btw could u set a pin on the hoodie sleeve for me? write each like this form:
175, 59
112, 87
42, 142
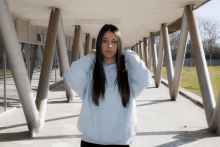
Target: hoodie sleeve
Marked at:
138, 72
77, 77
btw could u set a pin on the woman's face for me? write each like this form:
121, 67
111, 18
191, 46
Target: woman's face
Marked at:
109, 45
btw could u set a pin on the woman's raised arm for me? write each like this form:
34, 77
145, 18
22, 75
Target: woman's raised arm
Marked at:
140, 75
77, 77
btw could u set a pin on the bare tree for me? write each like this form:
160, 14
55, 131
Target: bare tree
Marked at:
210, 35
174, 42
189, 49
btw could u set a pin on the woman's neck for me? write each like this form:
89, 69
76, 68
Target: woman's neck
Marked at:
109, 61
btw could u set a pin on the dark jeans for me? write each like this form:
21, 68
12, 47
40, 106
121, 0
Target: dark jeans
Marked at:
87, 144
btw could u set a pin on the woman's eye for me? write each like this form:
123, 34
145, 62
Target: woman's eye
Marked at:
104, 41
114, 41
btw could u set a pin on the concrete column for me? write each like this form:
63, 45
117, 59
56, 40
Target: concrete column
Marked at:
202, 69
57, 56
57, 59
87, 43
46, 69
14, 55
145, 49
64, 63
140, 49
27, 51
154, 54
81, 48
40, 54
168, 58
76, 41
137, 47
93, 43
4, 70
160, 61
70, 56
33, 55
180, 58
149, 62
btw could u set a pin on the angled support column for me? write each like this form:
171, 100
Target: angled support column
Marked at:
212, 112
40, 54
87, 43
93, 43
33, 55
69, 52
18, 69
137, 47
145, 49
180, 58
136, 50
167, 52
81, 48
140, 49
64, 63
27, 51
39, 50
46, 69
149, 61
160, 61
76, 41
57, 52
154, 53
57, 58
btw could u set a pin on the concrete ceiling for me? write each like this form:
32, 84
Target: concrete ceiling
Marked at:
134, 18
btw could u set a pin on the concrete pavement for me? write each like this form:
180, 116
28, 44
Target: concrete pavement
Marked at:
12, 94
161, 123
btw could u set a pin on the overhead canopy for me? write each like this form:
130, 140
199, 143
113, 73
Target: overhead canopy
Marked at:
135, 19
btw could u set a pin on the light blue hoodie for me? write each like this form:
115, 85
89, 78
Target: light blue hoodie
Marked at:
109, 123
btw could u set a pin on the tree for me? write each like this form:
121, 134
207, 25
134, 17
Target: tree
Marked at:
174, 42
210, 35
189, 49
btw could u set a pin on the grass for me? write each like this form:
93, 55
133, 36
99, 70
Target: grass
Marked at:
8, 72
190, 81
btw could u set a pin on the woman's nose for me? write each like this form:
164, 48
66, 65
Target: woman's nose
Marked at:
109, 45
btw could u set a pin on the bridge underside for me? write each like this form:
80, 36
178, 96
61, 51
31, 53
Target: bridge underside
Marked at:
65, 30
135, 19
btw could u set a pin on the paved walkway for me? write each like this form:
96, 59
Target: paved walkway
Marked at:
161, 123
12, 94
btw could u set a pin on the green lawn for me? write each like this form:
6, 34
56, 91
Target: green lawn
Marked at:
190, 81
8, 72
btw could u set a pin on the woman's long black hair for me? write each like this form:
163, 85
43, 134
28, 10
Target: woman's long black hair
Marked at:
99, 79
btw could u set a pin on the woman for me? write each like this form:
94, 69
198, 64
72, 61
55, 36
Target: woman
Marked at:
108, 80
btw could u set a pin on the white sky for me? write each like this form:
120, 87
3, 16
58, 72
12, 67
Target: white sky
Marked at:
210, 9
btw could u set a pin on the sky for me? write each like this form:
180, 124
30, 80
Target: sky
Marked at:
210, 9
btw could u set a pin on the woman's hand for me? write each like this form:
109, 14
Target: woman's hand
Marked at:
92, 51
